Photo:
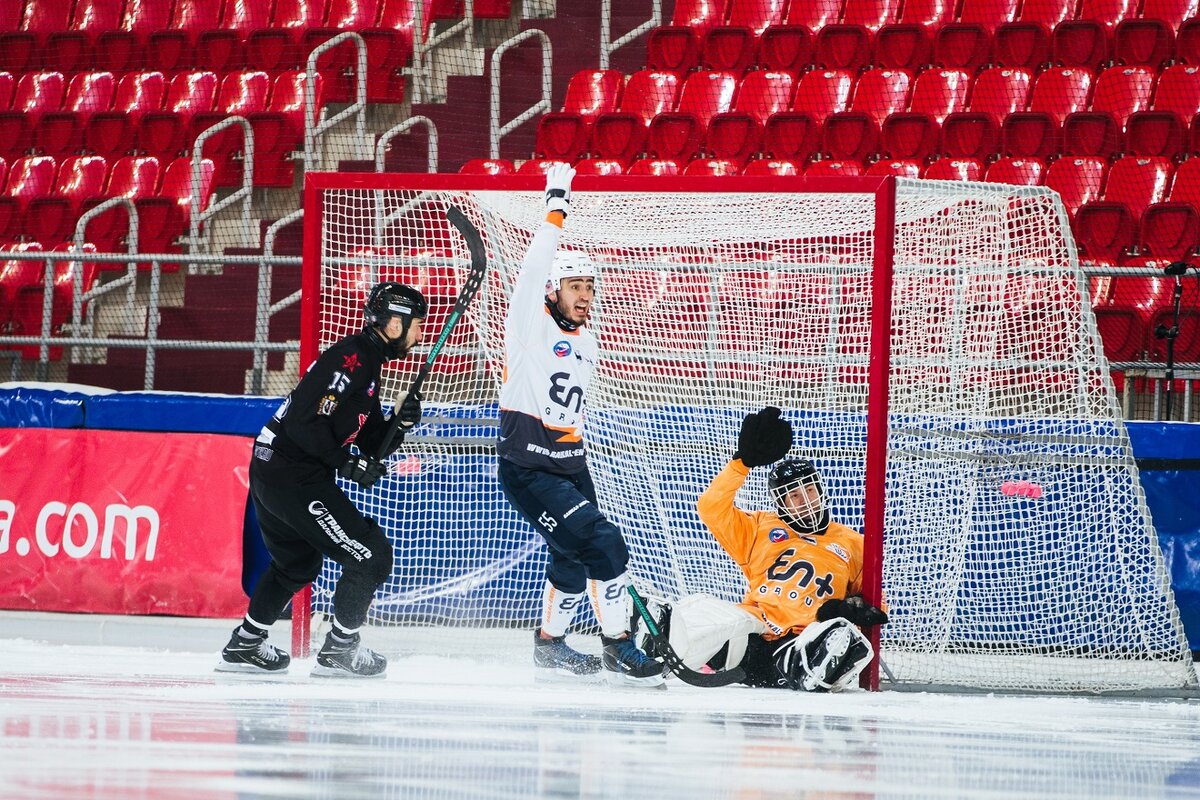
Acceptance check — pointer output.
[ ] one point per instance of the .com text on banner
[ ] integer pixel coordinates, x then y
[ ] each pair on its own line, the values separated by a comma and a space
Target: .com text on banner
117, 522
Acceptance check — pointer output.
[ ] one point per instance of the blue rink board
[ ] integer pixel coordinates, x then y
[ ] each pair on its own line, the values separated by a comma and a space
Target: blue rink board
1168, 455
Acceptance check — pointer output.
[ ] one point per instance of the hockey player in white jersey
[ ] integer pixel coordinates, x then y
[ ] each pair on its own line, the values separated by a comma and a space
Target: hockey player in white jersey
542, 468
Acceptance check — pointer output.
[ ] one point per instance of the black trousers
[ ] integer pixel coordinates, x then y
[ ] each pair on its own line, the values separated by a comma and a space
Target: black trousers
302, 523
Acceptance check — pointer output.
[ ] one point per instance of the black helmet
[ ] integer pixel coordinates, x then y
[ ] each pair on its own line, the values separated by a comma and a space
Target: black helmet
390, 299
788, 475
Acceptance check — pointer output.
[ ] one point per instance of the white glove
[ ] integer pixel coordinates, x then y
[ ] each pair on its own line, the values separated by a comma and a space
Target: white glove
558, 187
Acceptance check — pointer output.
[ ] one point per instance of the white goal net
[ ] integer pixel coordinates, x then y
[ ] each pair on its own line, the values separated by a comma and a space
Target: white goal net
1018, 549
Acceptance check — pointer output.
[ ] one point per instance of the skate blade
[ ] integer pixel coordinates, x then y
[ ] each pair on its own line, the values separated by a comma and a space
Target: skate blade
619, 680
225, 668
320, 671
554, 675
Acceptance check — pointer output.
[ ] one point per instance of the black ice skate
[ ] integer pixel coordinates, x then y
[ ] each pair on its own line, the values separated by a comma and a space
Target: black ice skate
555, 660
348, 659
825, 658
253, 656
626, 665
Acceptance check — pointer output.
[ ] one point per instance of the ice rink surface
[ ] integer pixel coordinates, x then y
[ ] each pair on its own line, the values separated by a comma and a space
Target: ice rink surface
459, 716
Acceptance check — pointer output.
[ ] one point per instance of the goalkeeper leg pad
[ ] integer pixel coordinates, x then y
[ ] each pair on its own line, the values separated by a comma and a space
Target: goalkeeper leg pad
702, 625
826, 657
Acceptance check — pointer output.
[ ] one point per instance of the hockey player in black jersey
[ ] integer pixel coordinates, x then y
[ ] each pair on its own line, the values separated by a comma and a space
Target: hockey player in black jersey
302, 512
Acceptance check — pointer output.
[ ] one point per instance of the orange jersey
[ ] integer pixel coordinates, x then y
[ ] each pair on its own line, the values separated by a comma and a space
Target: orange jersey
790, 574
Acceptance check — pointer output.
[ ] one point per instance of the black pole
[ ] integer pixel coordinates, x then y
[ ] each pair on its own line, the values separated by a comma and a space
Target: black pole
1176, 269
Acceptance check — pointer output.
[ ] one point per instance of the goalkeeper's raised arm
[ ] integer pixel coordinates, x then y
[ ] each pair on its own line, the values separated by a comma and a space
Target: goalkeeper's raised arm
550, 355
795, 627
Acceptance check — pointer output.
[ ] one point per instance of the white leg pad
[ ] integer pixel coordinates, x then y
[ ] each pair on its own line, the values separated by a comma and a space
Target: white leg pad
701, 625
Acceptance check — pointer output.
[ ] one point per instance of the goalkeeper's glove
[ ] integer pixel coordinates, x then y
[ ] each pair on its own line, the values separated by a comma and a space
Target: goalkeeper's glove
764, 439
558, 188
854, 610
363, 470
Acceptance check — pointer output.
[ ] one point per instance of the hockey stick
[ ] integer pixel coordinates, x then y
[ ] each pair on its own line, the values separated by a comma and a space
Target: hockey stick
465, 295
674, 662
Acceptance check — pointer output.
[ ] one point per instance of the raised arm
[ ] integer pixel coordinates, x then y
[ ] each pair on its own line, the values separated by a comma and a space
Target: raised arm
529, 292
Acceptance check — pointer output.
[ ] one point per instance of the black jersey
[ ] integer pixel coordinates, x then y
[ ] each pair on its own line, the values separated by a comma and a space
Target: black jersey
334, 405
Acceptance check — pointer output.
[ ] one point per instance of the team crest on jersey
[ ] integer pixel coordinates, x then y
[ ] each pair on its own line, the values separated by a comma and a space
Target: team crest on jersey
562, 349
777, 535
327, 405
838, 551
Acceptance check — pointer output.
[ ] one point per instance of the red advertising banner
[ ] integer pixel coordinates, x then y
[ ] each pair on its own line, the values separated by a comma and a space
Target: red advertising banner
116, 522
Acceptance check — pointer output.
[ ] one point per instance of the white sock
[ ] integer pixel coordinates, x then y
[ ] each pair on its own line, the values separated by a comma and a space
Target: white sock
558, 610
610, 601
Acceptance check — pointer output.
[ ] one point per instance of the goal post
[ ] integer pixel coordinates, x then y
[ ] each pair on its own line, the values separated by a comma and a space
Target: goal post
931, 343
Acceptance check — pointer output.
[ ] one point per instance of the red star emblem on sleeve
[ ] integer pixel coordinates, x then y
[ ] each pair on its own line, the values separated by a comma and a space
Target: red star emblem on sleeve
351, 362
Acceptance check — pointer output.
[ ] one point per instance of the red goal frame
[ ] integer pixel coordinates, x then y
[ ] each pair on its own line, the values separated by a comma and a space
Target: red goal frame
883, 188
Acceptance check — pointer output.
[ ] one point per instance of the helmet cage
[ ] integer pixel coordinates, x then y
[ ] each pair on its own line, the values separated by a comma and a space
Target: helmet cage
806, 513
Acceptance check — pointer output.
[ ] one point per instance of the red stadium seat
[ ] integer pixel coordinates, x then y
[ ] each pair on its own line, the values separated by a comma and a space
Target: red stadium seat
279, 130
1171, 231
165, 133
29, 178
28, 297
599, 166
134, 177
538, 166
1150, 40
622, 134
487, 166
676, 47
771, 166
1037, 133
241, 94
679, 134
833, 168
567, 134
7, 84
734, 46
996, 93
1121, 324
967, 43
1078, 180
1016, 171
75, 47
124, 49
224, 45
1026, 42
653, 166
1105, 229
1120, 91
52, 218
789, 46
389, 49
1087, 41
850, 43
166, 216
113, 134
711, 166
175, 47
23, 49
796, 134
60, 133
737, 134
1162, 131
279, 46
854, 134
901, 168
916, 133
37, 93
908, 43
954, 169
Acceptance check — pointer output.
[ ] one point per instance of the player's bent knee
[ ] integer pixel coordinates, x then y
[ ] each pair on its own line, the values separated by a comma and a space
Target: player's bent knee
702, 625
606, 556
296, 577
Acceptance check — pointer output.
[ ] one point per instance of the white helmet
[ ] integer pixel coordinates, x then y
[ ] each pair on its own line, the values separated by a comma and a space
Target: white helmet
569, 264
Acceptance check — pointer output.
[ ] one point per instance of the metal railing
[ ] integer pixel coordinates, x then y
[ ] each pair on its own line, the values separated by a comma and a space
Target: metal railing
495, 131
150, 342
431, 157
608, 44
313, 131
422, 73
243, 193
264, 309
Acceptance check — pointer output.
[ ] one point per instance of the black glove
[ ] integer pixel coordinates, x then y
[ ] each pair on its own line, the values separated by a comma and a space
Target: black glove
854, 610
409, 411
363, 470
765, 438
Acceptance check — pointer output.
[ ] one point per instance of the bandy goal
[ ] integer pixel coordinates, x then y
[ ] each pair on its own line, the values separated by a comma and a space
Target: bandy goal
931, 342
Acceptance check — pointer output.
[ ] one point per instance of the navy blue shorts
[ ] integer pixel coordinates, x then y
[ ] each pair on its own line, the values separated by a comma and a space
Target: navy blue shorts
562, 508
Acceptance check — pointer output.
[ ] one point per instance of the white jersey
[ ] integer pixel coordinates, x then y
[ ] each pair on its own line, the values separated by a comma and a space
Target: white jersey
546, 374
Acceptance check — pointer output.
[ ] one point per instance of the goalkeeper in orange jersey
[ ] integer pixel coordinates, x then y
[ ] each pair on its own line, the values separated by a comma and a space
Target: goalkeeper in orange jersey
796, 626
